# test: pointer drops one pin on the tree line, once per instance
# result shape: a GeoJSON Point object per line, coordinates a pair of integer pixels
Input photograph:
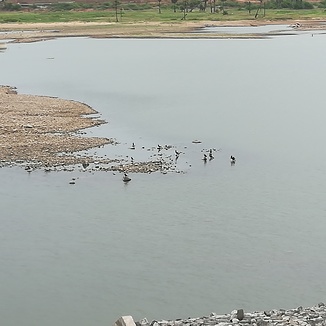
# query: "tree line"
{"type": "Point", "coordinates": [185, 6]}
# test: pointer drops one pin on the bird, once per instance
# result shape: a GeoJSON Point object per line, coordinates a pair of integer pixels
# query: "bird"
{"type": "Point", "coordinates": [205, 158]}
{"type": "Point", "coordinates": [126, 178]}
{"type": "Point", "coordinates": [85, 165]}
{"type": "Point", "coordinates": [29, 169]}
{"type": "Point", "coordinates": [232, 159]}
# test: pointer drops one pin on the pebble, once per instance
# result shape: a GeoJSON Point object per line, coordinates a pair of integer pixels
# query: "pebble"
{"type": "Point", "coordinates": [314, 316]}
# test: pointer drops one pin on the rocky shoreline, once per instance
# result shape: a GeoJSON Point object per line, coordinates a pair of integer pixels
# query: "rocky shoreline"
{"type": "Point", "coordinates": [313, 316]}
{"type": "Point", "coordinates": [35, 129]}
{"type": "Point", "coordinates": [40, 132]}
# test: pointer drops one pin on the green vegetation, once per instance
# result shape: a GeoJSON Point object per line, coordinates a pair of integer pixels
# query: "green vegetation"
{"type": "Point", "coordinates": [176, 10]}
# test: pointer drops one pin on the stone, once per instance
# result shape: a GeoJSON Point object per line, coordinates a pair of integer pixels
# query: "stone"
{"type": "Point", "coordinates": [313, 316]}
{"type": "Point", "coordinates": [142, 322]}
{"type": "Point", "coordinates": [125, 321]}
{"type": "Point", "coordinates": [262, 322]}
{"type": "Point", "coordinates": [240, 314]}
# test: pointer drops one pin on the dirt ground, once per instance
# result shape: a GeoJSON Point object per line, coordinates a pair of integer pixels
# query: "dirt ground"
{"type": "Point", "coordinates": [41, 132]}
{"type": "Point", "coordinates": [35, 129]}
{"type": "Point", "coordinates": [18, 32]}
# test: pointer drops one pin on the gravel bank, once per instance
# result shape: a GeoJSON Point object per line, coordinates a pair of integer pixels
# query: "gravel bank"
{"type": "Point", "coordinates": [46, 132]}
{"type": "Point", "coordinates": [43, 131]}
{"type": "Point", "coordinates": [314, 316]}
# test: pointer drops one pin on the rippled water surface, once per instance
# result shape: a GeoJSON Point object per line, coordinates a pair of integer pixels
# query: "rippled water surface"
{"type": "Point", "coordinates": [214, 238]}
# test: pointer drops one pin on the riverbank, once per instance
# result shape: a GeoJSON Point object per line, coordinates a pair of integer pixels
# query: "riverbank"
{"type": "Point", "coordinates": [36, 129]}
{"type": "Point", "coordinates": [47, 132]}
{"type": "Point", "coordinates": [33, 32]}
{"type": "Point", "coordinates": [313, 316]}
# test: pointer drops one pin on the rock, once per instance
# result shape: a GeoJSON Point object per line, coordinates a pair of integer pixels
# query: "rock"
{"type": "Point", "coordinates": [262, 322]}
{"type": "Point", "coordinates": [142, 322]}
{"type": "Point", "coordinates": [125, 321]}
{"type": "Point", "coordinates": [240, 314]}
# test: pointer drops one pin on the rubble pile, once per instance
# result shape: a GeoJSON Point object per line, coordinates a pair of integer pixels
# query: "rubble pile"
{"type": "Point", "coordinates": [310, 316]}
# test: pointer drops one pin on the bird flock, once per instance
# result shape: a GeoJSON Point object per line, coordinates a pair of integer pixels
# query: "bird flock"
{"type": "Point", "coordinates": [207, 156]}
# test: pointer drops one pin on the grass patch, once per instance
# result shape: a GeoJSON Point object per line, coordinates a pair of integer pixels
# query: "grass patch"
{"type": "Point", "coordinates": [151, 15]}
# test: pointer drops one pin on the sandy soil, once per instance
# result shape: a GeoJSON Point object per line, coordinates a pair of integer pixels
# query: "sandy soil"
{"type": "Point", "coordinates": [35, 129]}
{"type": "Point", "coordinates": [47, 132]}
{"type": "Point", "coordinates": [18, 32]}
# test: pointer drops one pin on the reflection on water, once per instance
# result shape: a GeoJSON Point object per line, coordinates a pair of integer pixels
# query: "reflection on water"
{"type": "Point", "coordinates": [215, 238]}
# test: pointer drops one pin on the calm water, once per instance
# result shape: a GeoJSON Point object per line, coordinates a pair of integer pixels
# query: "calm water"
{"type": "Point", "coordinates": [275, 30]}
{"type": "Point", "coordinates": [249, 29]}
{"type": "Point", "coordinates": [215, 238]}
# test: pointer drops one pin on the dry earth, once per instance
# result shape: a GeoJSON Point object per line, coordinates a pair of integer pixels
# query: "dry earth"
{"type": "Point", "coordinates": [42, 130]}
{"type": "Point", "coordinates": [46, 132]}
{"type": "Point", "coordinates": [19, 32]}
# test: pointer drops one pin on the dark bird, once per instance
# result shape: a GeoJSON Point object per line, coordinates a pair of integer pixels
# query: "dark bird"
{"type": "Point", "coordinates": [126, 178]}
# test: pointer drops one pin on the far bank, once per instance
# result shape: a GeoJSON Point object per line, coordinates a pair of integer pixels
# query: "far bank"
{"type": "Point", "coordinates": [33, 32]}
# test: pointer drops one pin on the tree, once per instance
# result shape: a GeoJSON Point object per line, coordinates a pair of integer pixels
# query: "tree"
{"type": "Point", "coordinates": [193, 4]}
{"type": "Point", "coordinates": [214, 5]}
{"type": "Point", "coordinates": [185, 9]}
{"type": "Point", "coordinates": [259, 8]}
{"type": "Point", "coordinates": [205, 5]}
{"type": "Point", "coordinates": [174, 4]}
{"type": "Point", "coordinates": [116, 6]}
{"type": "Point", "coordinates": [224, 12]}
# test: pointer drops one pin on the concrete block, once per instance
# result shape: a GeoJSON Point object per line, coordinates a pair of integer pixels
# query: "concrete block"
{"type": "Point", "coordinates": [125, 321]}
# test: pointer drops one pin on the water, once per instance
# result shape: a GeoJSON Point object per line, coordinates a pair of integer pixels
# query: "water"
{"type": "Point", "coordinates": [266, 30]}
{"type": "Point", "coordinates": [248, 29]}
{"type": "Point", "coordinates": [215, 238]}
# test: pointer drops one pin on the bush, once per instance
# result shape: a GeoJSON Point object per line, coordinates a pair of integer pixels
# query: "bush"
{"type": "Point", "coordinates": [289, 4]}
{"type": "Point", "coordinates": [232, 4]}
{"type": "Point", "coordinates": [11, 7]}
{"type": "Point", "coordinates": [135, 6]}
{"type": "Point", "coordinates": [106, 5]}
{"type": "Point", "coordinates": [65, 6]}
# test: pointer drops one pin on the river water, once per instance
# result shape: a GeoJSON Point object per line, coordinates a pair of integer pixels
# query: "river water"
{"type": "Point", "coordinates": [215, 237]}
